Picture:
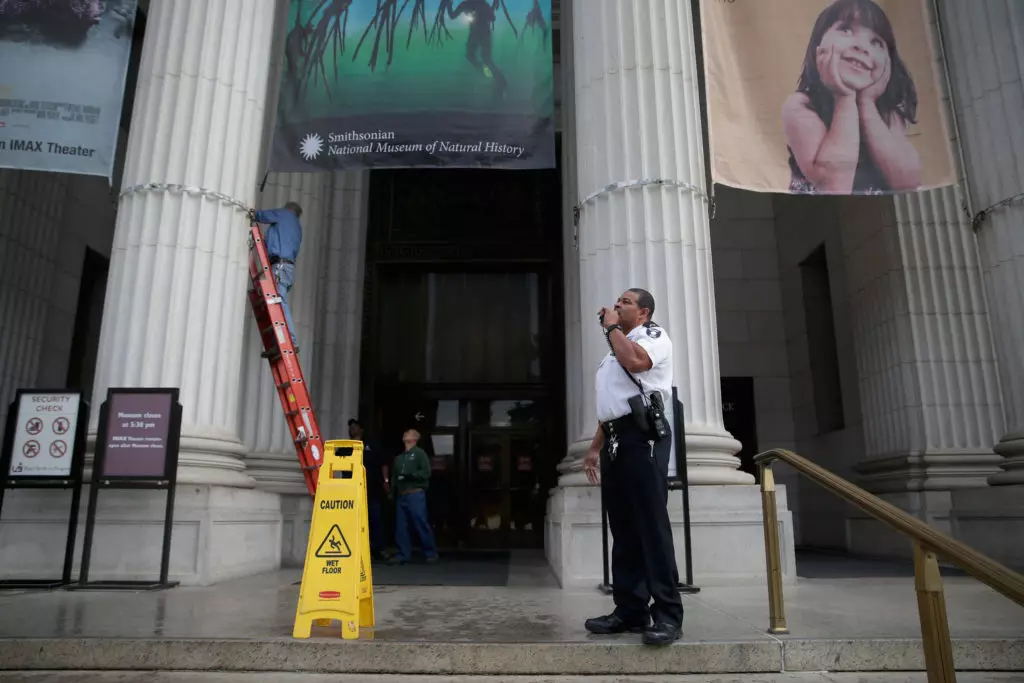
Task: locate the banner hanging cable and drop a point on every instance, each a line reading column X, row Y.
column 577, row 211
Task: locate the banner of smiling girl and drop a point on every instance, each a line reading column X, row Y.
column 824, row 97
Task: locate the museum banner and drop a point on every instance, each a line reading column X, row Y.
column 62, row 72
column 824, row 96
column 416, row 83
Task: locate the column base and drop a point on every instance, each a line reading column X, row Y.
column 871, row 538
column 219, row 533
column 991, row 520
column 1010, row 447
column 928, row 471
column 710, row 459
column 297, row 513
column 727, row 535
column 205, row 459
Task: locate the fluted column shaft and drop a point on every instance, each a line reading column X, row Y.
column 928, row 388
column 638, row 117
column 340, row 342
column 31, row 212
column 174, row 308
column 985, row 48
column 577, row 423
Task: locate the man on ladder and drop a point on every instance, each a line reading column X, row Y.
column 282, row 239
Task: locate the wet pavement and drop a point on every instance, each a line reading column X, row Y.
column 850, row 601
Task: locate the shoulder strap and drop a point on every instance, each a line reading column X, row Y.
column 635, row 380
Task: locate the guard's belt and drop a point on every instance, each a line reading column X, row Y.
column 619, row 424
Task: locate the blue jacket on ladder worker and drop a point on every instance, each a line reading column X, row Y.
column 282, row 240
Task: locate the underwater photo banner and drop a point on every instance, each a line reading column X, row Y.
column 416, row 83
column 837, row 97
column 63, row 65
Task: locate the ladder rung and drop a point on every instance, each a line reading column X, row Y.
column 284, row 385
column 291, row 413
column 264, row 330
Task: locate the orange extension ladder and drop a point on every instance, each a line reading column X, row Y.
column 284, row 363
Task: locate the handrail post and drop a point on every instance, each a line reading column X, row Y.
column 931, row 606
column 773, row 559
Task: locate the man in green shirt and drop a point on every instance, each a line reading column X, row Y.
column 410, row 480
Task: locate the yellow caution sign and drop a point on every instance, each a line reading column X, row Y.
column 337, row 581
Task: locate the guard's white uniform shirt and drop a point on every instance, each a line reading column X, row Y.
column 615, row 388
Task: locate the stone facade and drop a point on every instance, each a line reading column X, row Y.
column 882, row 336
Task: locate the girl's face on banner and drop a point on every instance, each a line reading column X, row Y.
column 861, row 51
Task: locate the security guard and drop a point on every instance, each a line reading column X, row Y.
column 635, row 470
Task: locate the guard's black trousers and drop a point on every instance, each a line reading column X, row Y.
column 635, row 481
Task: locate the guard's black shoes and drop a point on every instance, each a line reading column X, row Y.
column 662, row 634
column 612, row 623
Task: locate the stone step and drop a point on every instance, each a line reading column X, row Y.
column 590, row 658
column 216, row 677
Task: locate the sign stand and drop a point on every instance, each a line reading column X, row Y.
column 337, row 579
column 679, row 482
column 682, row 482
column 42, row 426
column 136, row 448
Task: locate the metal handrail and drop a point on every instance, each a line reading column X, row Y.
column 929, row 545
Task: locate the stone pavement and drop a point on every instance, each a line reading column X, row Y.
column 202, row 677
column 842, row 617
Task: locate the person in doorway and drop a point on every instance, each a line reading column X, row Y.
column 376, row 484
column 410, row 481
column 282, row 239
column 632, row 380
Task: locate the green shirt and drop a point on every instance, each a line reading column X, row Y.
column 411, row 471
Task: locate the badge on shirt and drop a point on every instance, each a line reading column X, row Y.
column 653, row 332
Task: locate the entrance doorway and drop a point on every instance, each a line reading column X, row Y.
column 487, row 452
column 463, row 340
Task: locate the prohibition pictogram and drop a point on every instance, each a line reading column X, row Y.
column 30, row 449
column 34, row 426
column 58, row 448
column 61, row 425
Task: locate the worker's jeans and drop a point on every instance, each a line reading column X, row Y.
column 284, row 276
column 412, row 511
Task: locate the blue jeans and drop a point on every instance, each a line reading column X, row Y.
column 412, row 511
column 373, row 517
column 284, row 276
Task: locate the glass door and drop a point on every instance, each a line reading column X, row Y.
column 505, row 505
column 487, row 463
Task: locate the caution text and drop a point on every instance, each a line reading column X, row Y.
column 337, row 505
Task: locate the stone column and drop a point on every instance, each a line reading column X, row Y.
column 928, row 377
column 571, row 467
column 174, row 307
column 982, row 41
column 639, row 117
column 344, row 259
column 928, row 391
column 176, row 303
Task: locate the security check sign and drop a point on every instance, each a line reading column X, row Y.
column 44, row 436
column 337, row 581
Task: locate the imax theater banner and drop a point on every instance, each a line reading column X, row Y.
column 416, row 83
column 62, row 73
column 834, row 97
